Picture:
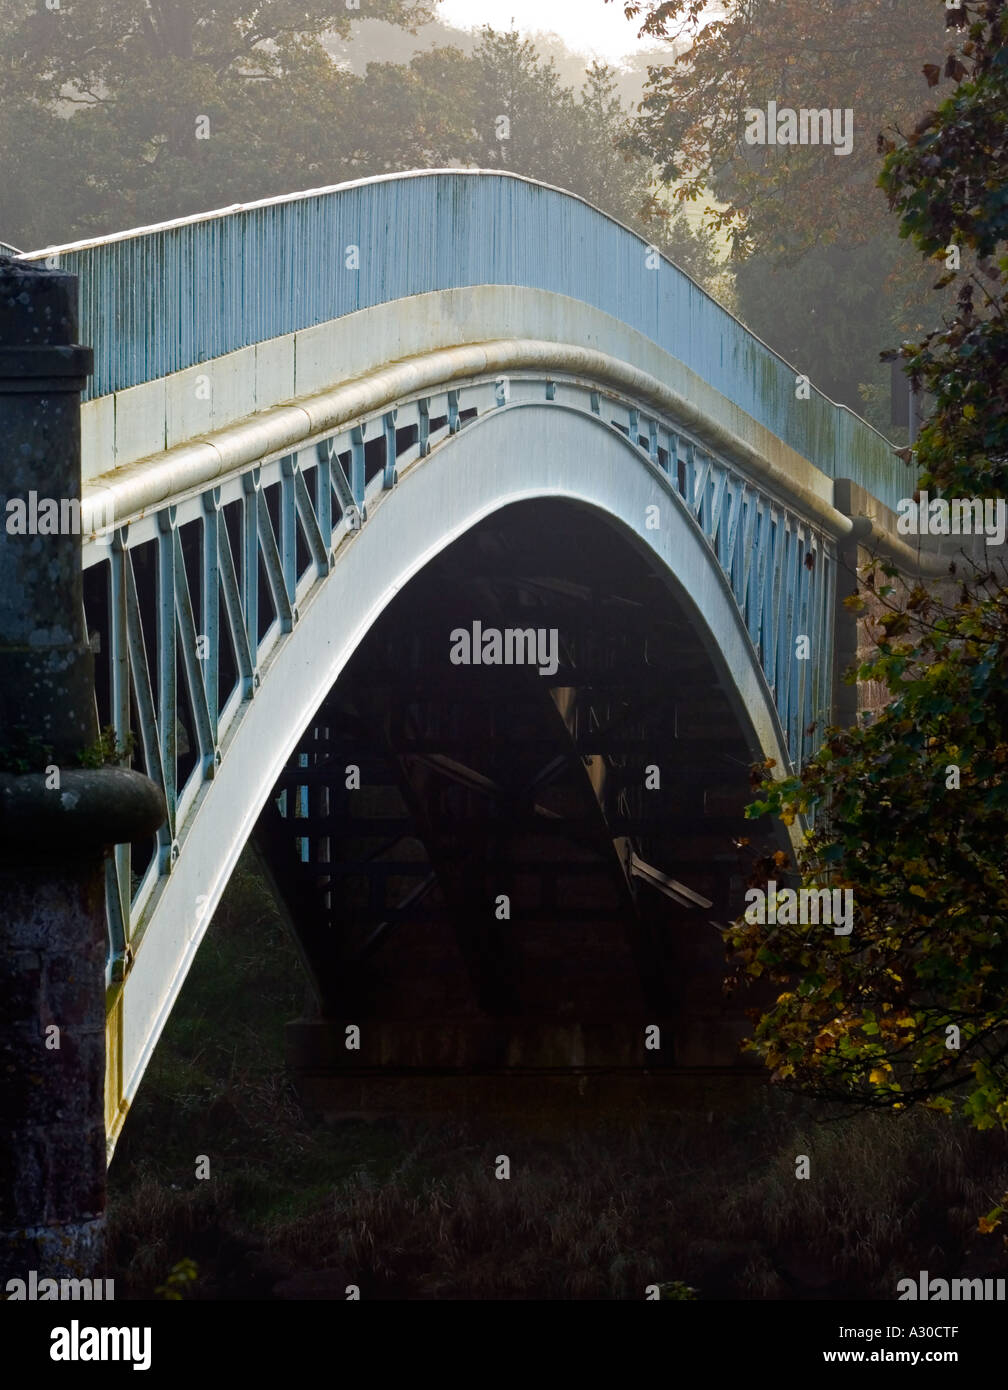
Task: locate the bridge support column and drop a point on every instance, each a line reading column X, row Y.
column 864, row 701
column 55, row 817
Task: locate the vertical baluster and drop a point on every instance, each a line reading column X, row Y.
column 771, row 601
column 288, row 526
column 357, row 472
column 323, row 498
column 734, row 531
column 786, row 609
column 210, row 607
column 653, row 440
column 167, row 673
column 796, row 688
column 748, row 551
column 250, row 562
column 757, row 571
column 389, row 476
column 118, row 884
column 772, row 616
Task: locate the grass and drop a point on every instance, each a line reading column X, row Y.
column 414, row 1210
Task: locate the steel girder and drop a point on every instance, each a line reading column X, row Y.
column 195, row 602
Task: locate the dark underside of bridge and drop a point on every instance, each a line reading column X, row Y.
column 535, row 868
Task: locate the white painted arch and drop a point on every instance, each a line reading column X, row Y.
column 516, row 453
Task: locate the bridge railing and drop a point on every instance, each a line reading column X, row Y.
column 157, row 300
column 192, row 601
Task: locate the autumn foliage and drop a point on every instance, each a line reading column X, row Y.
column 910, row 812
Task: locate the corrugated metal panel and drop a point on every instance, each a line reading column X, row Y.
column 157, row 301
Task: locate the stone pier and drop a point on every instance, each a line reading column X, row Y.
column 57, row 818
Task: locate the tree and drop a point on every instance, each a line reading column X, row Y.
column 912, row 1008
column 115, row 115
column 949, row 182
column 574, row 140
column 137, row 112
column 829, row 314
column 839, row 53
column 800, row 217
column 522, row 113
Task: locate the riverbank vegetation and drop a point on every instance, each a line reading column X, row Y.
column 295, row 1208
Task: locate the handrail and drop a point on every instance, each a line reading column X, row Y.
column 154, row 301
column 132, row 491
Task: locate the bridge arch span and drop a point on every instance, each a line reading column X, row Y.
column 297, row 466
column 514, row 453
column 271, row 455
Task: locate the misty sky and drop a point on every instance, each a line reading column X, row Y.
column 584, row 25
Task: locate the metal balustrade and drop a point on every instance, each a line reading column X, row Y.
column 225, row 572
column 156, row 300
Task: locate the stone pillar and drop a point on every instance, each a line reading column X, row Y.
column 56, row 819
